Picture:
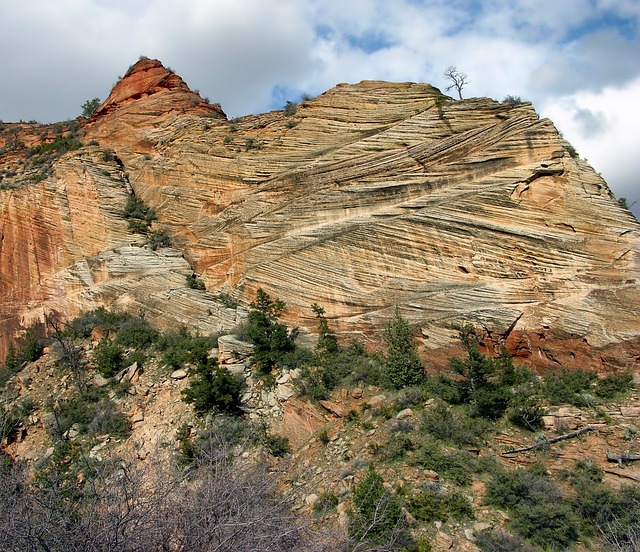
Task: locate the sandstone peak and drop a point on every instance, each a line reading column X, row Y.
column 147, row 77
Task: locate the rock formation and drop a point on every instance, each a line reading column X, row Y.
column 369, row 197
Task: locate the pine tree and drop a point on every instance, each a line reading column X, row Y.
column 403, row 366
column 270, row 338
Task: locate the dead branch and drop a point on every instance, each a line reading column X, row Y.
column 546, row 441
column 623, row 475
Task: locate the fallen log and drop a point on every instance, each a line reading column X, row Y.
column 545, row 442
column 622, row 457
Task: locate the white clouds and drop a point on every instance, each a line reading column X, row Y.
column 575, row 60
column 613, row 149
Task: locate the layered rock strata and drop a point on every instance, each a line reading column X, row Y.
column 369, row 197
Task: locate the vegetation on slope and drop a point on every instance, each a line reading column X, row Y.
column 423, row 452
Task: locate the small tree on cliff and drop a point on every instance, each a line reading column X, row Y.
column 270, row 338
column 327, row 341
column 458, row 80
column 403, row 366
column 90, row 107
column 486, row 381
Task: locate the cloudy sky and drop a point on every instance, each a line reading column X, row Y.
column 578, row 61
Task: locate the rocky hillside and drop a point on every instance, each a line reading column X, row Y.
column 368, row 198
column 158, row 449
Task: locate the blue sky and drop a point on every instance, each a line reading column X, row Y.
column 578, row 61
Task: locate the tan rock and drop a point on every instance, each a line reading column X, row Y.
column 311, row 500
column 333, row 408
column 377, row 401
column 406, row 413
column 379, row 197
column 630, row 411
column 99, row 380
column 300, row 421
column 285, row 392
column 442, row 542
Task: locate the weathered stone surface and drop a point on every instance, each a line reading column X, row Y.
column 406, row 413
column 442, row 542
column 285, row 392
column 333, row 408
column 377, row 401
column 300, row 421
column 232, row 348
column 379, row 196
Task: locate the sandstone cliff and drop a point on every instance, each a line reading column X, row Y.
column 368, row 197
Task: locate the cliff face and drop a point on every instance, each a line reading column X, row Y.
column 369, row 197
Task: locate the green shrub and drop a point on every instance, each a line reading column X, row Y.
column 136, row 333
column 61, row 144
column 409, row 397
column 194, row 282
column 620, row 529
column 179, row 348
column 486, row 383
column 435, row 504
column 445, row 388
column 397, row 446
column 139, row 215
column 298, row 358
column 452, row 425
column 612, row 515
column 109, row 358
column 326, row 502
column 252, row 143
column 351, row 364
column 290, row 108
column 312, row 383
column 512, row 100
column 29, row 350
column 213, row 389
column 510, row 488
column 83, row 325
column 9, row 424
column 158, row 239
column 90, row 107
column 227, row 300
column 613, row 385
column 568, row 386
column 526, row 412
column 186, row 447
column 497, row 540
column 217, row 441
column 548, row 524
column 278, row 445
column 327, row 340
column 376, row 513
column 491, row 401
column 540, row 511
column 323, row 437
column 457, row 466
column 92, row 412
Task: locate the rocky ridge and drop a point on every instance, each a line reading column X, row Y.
column 369, row 197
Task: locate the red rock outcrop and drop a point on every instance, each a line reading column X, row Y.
column 373, row 196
